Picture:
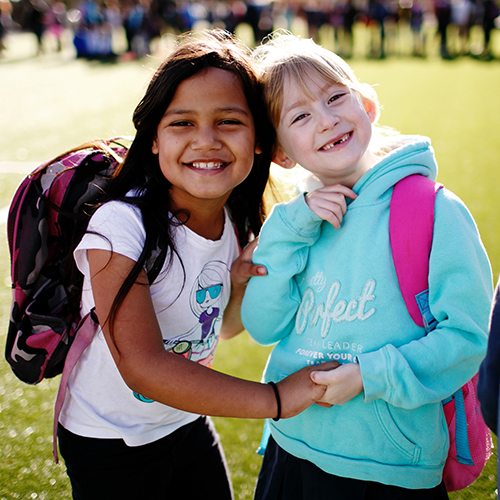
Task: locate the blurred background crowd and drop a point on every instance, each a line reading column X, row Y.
column 94, row 24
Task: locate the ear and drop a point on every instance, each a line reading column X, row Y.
column 154, row 147
column 283, row 160
column 257, row 150
column 371, row 110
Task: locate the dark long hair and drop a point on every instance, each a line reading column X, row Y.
column 141, row 170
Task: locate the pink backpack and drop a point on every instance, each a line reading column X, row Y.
column 411, row 226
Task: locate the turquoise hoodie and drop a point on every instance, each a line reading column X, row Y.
column 333, row 295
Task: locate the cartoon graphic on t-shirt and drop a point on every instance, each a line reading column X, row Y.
column 208, row 298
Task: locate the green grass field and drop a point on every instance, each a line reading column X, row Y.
column 51, row 104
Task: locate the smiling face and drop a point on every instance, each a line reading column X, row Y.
column 326, row 130
column 206, row 139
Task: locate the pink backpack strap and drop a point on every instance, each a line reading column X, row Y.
column 411, row 224
column 84, row 336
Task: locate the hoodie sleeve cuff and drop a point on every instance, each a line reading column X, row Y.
column 300, row 217
column 374, row 375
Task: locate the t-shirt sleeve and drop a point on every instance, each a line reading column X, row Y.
column 116, row 227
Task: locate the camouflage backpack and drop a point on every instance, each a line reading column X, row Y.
column 47, row 217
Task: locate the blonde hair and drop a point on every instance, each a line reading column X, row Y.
column 283, row 56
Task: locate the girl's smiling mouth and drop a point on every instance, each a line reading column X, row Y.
column 332, row 144
column 207, row 165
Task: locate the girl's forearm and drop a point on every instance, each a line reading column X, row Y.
column 178, row 382
column 183, row 384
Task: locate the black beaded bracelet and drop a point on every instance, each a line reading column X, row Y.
column 278, row 401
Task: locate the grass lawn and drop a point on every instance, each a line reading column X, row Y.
column 51, row 104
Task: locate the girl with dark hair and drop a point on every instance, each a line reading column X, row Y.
column 187, row 197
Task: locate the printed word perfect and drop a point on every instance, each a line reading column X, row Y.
column 310, row 312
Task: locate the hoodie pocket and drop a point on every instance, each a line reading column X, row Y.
column 407, row 451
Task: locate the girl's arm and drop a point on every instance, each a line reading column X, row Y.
column 433, row 367
column 137, row 349
column 271, row 302
column 241, row 271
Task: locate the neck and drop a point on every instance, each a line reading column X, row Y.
column 210, row 227
column 207, row 220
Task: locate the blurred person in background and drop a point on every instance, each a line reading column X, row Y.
column 461, row 16
column 35, row 20
column 55, row 21
column 443, row 15
column 490, row 13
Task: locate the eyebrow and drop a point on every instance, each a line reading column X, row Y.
column 299, row 102
column 292, row 106
column 185, row 111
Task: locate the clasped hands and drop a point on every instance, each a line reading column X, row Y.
column 342, row 384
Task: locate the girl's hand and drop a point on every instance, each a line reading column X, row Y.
column 298, row 391
column 342, row 384
column 243, row 268
column 329, row 203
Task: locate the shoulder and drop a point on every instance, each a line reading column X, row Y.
column 455, row 227
column 116, row 206
column 115, row 212
column 458, row 249
column 116, row 224
column 449, row 207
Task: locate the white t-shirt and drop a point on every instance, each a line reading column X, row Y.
column 188, row 300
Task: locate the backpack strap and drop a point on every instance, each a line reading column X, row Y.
column 85, row 334
column 411, row 224
column 461, row 435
